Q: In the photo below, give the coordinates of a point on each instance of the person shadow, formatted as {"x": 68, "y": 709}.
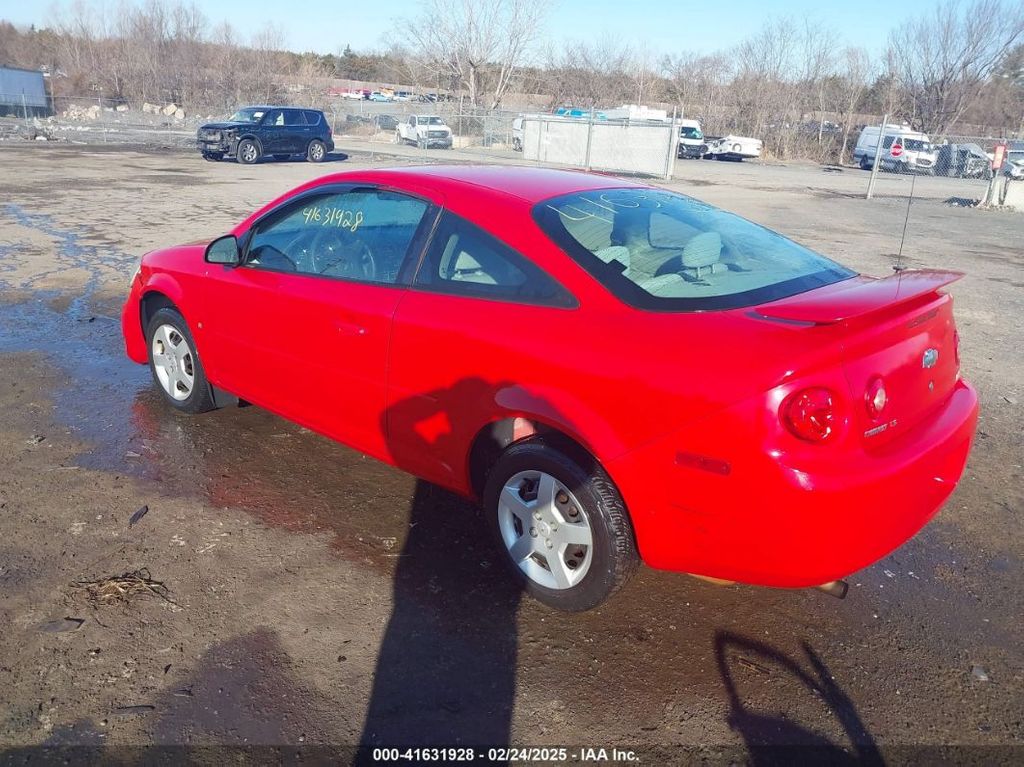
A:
{"x": 446, "y": 669}
{"x": 773, "y": 739}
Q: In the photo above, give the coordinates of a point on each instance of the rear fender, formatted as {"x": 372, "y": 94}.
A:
{"x": 559, "y": 410}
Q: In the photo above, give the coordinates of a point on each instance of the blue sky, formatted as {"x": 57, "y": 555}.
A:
{"x": 658, "y": 26}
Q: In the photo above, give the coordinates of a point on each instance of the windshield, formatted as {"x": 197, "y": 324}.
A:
{"x": 916, "y": 145}
{"x": 660, "y": 250}
{"x": 687, "y": 132}
{"x": 431, "y": 121}
{"x": 247, "y": 116}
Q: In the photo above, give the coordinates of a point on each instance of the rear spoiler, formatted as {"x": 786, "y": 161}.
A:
{"x": 857, "y": 297}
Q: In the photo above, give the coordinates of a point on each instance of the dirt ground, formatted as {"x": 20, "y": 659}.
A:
{"x": 314, "y": 596}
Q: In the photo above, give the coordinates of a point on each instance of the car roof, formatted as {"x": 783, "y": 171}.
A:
{"x": 280, "y": 106}
{"x": 530, "y": 184}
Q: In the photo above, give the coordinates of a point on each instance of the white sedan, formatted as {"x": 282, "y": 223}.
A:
{"x": 734, "y": 148}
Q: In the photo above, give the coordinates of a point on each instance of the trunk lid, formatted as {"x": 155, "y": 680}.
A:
{"x": 900, "y": 330}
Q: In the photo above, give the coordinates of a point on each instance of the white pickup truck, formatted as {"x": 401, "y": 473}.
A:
{"x": 424, "y": 131}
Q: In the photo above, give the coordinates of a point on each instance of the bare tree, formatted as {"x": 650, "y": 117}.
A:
{"x": 697, "y": 84}
{"x": 944, "y": 58}
{"x": 482, "y": 43}
{"x": 819, "y": 42}
{"x": 850, "y": 85}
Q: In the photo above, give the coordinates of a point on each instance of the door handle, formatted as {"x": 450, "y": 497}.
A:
{"x": 349, "y": 328}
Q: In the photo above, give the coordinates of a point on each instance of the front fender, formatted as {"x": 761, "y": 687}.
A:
{"x": 166, "y": 284}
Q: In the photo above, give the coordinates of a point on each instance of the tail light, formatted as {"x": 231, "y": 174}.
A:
{"x": 875, "y": 398}
{"x": 956, "y": 348}
{"x": 810, "y": 414}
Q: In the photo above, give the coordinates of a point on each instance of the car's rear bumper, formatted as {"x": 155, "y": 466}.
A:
{"x": 762, "y": 518}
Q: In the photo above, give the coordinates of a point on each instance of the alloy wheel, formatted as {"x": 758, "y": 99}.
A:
{"x": 173, "y": 362}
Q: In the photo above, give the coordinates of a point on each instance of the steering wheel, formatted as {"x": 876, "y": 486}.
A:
{"x": 340, "y": 253}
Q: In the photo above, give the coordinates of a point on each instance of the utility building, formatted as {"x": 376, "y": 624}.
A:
{"x": 23, "y": 93}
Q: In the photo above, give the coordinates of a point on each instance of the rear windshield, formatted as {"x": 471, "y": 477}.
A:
{"x": 664, "y": 251}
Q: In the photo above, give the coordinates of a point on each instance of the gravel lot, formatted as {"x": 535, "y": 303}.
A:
{"x": 314, "y": 596}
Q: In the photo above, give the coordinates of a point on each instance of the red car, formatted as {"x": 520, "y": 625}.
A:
{"x": 617, "y": 372}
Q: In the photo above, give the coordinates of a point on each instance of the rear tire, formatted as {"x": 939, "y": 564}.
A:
{"x": 174, "y": 363}
{"x": 540, "y": 540}
{"x": 316, "y": 151}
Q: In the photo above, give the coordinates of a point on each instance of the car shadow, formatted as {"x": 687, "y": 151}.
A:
{"x": 774, "y": 739}
{"x": 446, "y": 670}
{"x": 271, "y": 159}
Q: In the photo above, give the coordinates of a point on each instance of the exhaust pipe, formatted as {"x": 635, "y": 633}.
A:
{"x": 836, "y": 589}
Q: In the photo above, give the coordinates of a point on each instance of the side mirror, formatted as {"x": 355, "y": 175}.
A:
{"x": 224, "y": 250}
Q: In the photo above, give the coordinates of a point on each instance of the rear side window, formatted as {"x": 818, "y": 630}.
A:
{"x": 465, "y": 260}
{"x": 312, "y": 118}
{"x": 294, "y": 117}
{"x": 663, "y": 251}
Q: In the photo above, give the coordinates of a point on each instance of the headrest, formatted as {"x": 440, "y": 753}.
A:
{"x": 703, "y": 249}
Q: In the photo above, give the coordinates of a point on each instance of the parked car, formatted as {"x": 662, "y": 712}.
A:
{"x": 691, "y": 140}
{"x": 385, "y": 122}
{"x": 425, "y": 131}
{"x": 616, "y": 372}
{"x": 1013, "y": 166}
{"x": 378, "y": 96}
{"x": 354, "y": 95}
{"x": 734, "y": 148}
{"x": 963, "y": 161}
{"x": 915, "y": 151}
{"x": 259, "y": 131}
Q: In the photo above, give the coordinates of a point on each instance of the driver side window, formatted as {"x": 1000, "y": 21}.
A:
{"x": 360, "y": 235}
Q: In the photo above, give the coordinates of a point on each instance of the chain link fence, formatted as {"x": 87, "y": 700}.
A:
{"x": 504, "y": 135}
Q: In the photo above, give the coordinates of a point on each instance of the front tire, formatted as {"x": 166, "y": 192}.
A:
{"x": 213, "y": 156}
{"x": 316, "y": 152}
{"x": 247, "y": 152}
{"x": 560, "y": 525}
{"x": 175, "y": 365}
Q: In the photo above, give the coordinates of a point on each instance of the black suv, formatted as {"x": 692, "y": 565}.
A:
{"x": 253, "y": 132}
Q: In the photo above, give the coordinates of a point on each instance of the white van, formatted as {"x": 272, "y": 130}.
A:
{"x": 691, "y": 139}
{"x": 916, "y": 153}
